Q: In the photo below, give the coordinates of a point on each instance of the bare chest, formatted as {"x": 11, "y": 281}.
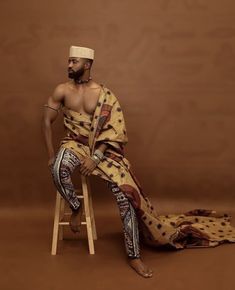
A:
{"x": 83, "y": 101}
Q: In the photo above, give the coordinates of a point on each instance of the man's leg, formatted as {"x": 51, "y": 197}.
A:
{"x": 129, "y": 221}
{"x": 65, "y": 163}
{"x": 131, "y": 231}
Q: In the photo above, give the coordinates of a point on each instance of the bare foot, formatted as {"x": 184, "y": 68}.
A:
{"x": 76, "y": 219}
{"x": 138, "y": 265}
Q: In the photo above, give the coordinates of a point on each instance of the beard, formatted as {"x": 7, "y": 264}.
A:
{"x": 75, "y": 74}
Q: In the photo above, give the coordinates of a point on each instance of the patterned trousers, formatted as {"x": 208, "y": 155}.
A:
{"x": 62, "y": 168}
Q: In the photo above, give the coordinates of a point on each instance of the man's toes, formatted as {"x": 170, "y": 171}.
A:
{"x": 74, "y": 228}
{"x": 142, "y": 272}
{"x": 150, "y": 273}
{"x": 147, "y": 271}
{"x": 146, "y": 274}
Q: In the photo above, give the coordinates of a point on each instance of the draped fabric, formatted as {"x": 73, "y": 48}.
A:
{"x": 194, "y": 228}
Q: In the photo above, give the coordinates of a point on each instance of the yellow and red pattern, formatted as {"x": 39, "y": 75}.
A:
{"x": 195, "y": 228}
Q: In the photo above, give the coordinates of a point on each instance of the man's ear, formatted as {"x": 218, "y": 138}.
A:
{"x": 87, "y": 65}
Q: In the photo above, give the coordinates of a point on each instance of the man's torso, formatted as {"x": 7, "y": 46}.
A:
{"x": 82, "y": 99}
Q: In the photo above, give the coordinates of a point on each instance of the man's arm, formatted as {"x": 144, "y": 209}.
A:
{"x": 102, "y": 147}
{"x": 50, "y": 114}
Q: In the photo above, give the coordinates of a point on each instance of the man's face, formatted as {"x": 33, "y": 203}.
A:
{"x": 75, "y": 67}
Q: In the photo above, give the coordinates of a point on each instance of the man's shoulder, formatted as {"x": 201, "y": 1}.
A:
{"x": 107, "y": 90}
{"x": 61, "y": 87}
{"x": 64, "y": 88}
{"x": 110, "y": 94}
{"x": 95, "y": 85}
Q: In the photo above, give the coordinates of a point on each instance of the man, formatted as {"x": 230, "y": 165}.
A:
{"x": 95, "y": 139}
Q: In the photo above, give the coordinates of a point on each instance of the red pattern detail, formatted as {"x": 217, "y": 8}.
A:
{"x": 105, "y": 115}
{"x": 199, "y": 212}
{"x": 132, "y": 194}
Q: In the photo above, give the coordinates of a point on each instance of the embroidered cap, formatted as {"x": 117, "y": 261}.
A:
{"x": 80, "y": 51}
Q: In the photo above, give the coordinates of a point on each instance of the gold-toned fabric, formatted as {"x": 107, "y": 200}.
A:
{"x": 195, "y": 228}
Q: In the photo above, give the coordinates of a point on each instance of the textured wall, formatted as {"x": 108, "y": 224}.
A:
{"x": 171, "y": 63}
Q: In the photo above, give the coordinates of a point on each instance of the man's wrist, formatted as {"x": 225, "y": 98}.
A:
{"x": 96, "y": 159}
{"x": 102, "y": 147}
{"x": 99, "y": 154}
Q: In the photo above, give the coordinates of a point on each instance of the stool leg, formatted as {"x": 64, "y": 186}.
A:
{"x": 61, "y": 227}
{"x": 56, "y": 224}
{"x": 87, "y": 215}
{"x": 92, "y": 211}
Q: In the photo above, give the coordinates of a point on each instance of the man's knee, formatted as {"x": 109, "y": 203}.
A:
{"x": 59, "y": 165}
{"x": 113, "y": 186}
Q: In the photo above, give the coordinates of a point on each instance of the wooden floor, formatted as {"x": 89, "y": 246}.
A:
{"x": 26, "y": 262}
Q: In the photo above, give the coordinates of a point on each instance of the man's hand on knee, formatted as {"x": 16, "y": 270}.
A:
{"x": 87, "y": 166}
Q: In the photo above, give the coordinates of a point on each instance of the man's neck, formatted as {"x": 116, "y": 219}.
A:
{"x": 85, "y": 78}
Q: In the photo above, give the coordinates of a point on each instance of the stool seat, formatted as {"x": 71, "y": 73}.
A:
{"x": 84, "y": 195}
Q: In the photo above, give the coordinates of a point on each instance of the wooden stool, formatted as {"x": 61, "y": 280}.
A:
{"x": 89, "y": 216}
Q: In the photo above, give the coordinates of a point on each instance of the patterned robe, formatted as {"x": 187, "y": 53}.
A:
{"x": 195, "y": 228}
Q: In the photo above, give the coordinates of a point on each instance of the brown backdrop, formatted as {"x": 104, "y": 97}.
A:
{"x": 170, "y": 63}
